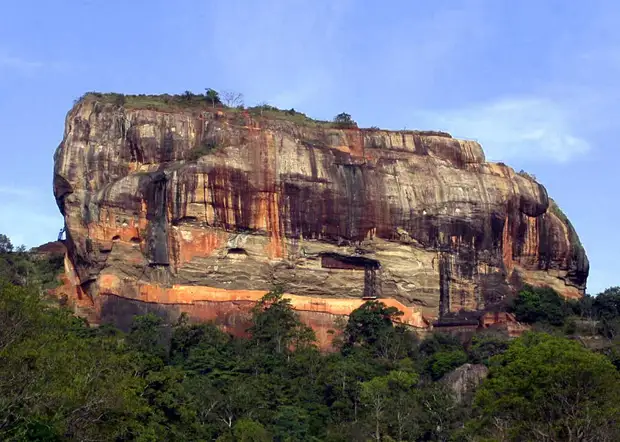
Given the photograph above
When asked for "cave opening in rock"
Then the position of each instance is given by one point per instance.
(370, 267)
(237, 251)
(184, 220)
(345, 262)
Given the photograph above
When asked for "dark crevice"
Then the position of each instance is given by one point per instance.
(337, 261)
(370, 267)
(184, 220)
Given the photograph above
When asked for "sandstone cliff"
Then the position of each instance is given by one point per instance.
(202, 210)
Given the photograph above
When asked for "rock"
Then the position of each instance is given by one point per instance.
(464, 380)
(194, 210)
(49, 249)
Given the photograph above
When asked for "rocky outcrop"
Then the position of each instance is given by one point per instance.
(464, 380)
(203, 211)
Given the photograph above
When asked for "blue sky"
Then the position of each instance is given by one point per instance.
(535, 81)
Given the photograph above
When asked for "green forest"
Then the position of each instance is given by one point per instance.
(63, 380)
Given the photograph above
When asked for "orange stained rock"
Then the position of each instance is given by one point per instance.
(133, 166)
(71, 291)
(266, 216)
(276, 241)
(530, 248)
(356, 143)
(102, 232)
(108, 229)
(504, 320)
(266, 213)
(184, 294)
(345, 149)
(197, 242)
(507, 245)
(492, 318)
(260, 212)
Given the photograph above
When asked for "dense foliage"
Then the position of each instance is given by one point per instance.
(62, 380)
(541, 305)
(344, 121)
(19, 267)
(549, 388)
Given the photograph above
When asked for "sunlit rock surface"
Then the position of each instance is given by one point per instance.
(417, 219)
(464, 380)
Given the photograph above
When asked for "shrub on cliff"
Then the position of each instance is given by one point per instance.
(344, 121)
(541, 305)
(213, 97)
(206, 147)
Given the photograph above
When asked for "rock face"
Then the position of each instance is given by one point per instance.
(464, 380)
(203, 211)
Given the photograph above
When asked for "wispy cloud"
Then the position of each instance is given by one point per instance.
(21, 192)
(28, 66)
(283, 51)
(512, 128)
(20, 64)
(29, 224)
(28, 215)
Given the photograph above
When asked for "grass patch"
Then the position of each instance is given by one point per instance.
(273, 113)
(572, 233)
(524, 174)
(207, 147)
(164, 102)
(200, 103)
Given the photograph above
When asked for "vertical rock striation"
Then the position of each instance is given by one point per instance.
(203, 211)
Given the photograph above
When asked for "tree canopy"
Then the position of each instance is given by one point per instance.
(344, 120)
(62, 380)
(549, 388)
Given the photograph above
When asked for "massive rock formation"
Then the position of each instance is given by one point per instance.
(203, 211)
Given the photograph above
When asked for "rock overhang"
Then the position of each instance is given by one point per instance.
(159, 198)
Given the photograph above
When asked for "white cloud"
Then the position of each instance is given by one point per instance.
(509, 128)
(21, 192)
(21, 64)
